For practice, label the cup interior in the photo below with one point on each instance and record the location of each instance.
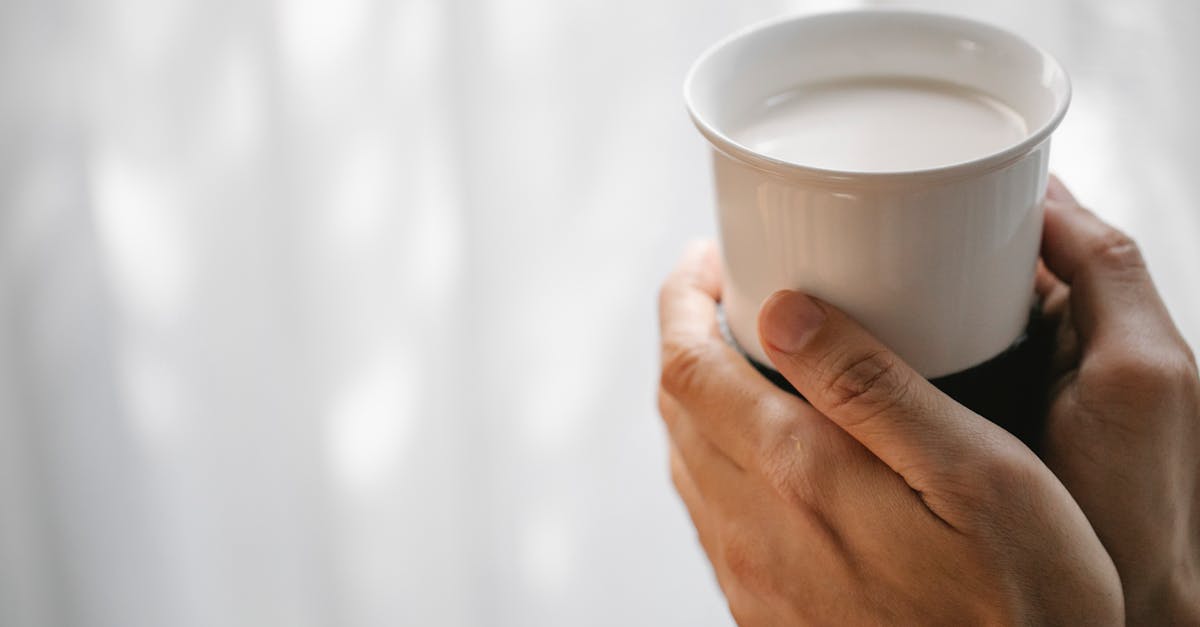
(734, 77)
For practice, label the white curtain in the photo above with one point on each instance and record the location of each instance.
(342, 313)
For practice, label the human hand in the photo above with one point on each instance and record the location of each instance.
(1123, 424)
(883, 501)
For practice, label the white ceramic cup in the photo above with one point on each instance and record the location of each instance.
(938, 263)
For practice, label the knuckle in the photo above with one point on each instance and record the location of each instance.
(989, 491)
(1005, 474)
(1153, 373)
(744, 560)
(1116, 250)
(1124, 369)
(682, 367)
(665, 294)
(867, 379)
(666, 408)
(678, 473)
(791, 471)
(1191, 371)
(1178, 369)
(737, 560)
(792, 486)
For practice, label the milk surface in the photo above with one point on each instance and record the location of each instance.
(881, 125)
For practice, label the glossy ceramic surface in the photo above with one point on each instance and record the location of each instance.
(937, 262)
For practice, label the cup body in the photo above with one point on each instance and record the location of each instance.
(938, 263)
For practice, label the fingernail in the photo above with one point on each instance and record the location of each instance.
(789, 319)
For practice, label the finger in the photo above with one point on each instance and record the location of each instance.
(1113, 299)
(1053, 294)
(731, 404)
(685, 486)
(1045, 283)
(706, 530)
(712, 489)
(687, 303)
(1054, 299)
(1055, 190)
(715, 473)
(702, 519)
(857, 382)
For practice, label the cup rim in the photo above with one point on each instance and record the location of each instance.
(1060, 86)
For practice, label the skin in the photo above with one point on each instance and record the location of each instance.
(1123, 425)
(884, 501)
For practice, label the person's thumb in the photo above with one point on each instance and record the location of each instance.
(858, 383)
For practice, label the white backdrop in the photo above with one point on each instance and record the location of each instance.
(342, 313)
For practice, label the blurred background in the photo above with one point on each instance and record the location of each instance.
(343, 313)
